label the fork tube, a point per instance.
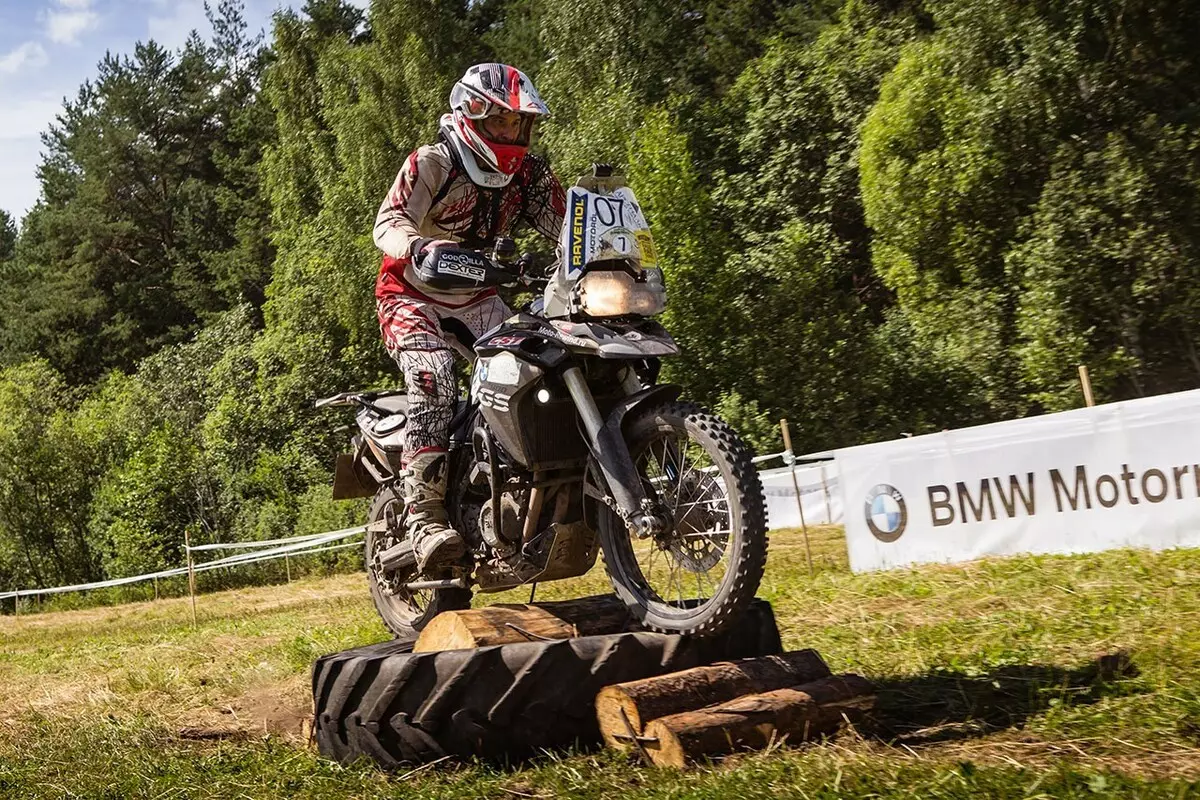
(582, 396)
(617, 467)
(536, 495)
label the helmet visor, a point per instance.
(476, 106)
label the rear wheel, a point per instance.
(404, 612)
(702, 572)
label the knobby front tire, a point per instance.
(702, 575)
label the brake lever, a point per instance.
(524, 266)
(322, 402)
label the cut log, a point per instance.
(520, 622)
(639, 702)
(754, 721)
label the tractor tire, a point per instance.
(502, 703)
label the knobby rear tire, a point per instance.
(400, 617)
(747, 544)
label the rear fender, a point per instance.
(350, 480)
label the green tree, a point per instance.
(982, 133)
(43, 484)
(150, 221)
(1109, 270)
(8, 235)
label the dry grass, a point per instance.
(1019, 667)
(241, 667)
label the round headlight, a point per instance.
(612, 293)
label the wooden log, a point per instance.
(639, 702)
(754, 721)
(521, 622)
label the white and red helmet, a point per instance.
(486, 90)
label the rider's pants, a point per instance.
(419, 335)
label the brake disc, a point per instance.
(691, 544)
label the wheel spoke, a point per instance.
(698, 503)
(687, 479)
(705, 534)
(678, 482)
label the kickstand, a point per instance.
(532, 592)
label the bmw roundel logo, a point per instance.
(886, 513)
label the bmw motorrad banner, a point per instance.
(1119, 475)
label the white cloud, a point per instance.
(27, 117)
(19, 186)
(172, 31)
(67, 20)
(29, 55)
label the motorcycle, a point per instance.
(567, 445)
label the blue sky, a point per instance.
(49, 47)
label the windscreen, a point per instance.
(600, 227)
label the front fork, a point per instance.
(640, 513)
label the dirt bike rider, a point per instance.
(476, 183)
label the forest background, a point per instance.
(877, 217)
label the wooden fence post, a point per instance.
(791, 459)
(1086, 383)
(187, 544)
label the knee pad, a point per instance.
(429, 376)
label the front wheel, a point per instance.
(701, 573)
(404, 612)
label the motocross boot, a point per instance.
(434, 542)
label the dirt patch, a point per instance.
(281, 709)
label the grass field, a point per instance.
(1025, 677)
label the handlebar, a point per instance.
(520, 269)
(364, 399)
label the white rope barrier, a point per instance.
(210, 565)
(299, 545)
(302, 543)
(262, 543)
(83, 587)
(769, 456)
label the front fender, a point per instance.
(663, 393)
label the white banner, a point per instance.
(1119, 475)
(820, 492)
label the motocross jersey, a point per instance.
(433, 198)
